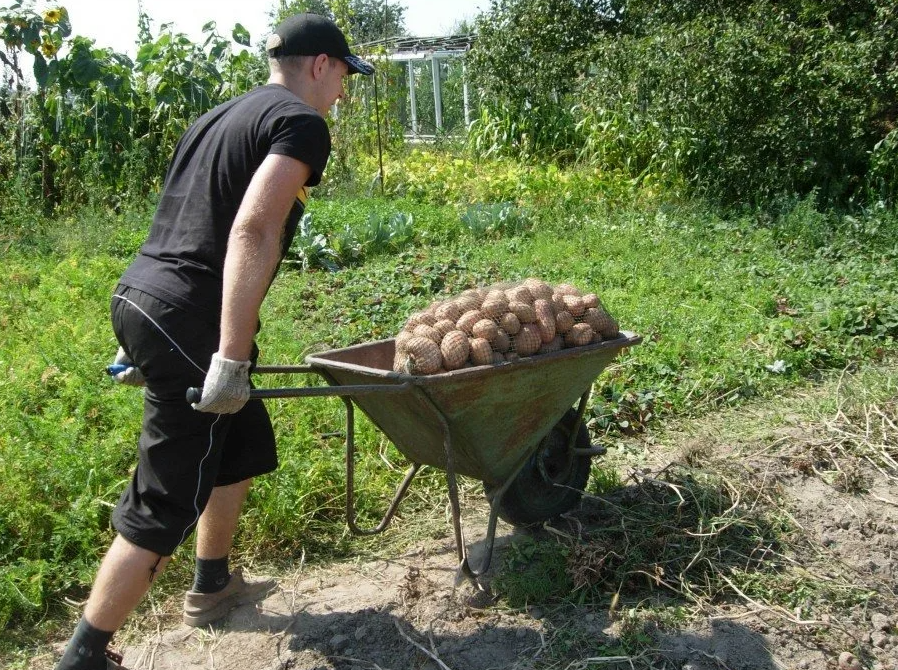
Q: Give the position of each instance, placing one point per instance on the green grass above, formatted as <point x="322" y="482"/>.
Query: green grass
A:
<point x="729" y="308"/>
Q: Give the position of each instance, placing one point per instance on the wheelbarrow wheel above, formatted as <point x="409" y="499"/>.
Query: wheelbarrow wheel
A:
<point x="551" y="481"/>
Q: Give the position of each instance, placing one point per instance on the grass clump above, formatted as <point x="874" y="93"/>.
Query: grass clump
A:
<point x="677" y="530"/>
<point x="534" y="572"/>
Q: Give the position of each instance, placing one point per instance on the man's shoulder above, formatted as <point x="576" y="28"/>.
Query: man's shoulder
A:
<point x="277" y="98"/>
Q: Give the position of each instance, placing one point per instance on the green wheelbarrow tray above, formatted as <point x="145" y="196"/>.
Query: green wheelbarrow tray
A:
<point x="483" y="422"/>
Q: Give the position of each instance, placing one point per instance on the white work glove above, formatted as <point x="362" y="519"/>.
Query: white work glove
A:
<point x="226" y="388"/>
<point x="132" y="376"/>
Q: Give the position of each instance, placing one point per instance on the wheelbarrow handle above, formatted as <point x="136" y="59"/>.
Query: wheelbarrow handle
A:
<point x="116" y="368"/>
<point x="195" y="394"/>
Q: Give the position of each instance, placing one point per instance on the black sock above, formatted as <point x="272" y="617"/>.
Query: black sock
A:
<point x="212" y="575"/>
<point x="85" y="649"/>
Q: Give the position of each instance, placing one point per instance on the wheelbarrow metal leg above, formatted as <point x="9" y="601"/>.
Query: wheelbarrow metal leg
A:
<point x="464" y="565"/>
<point x="495" y="501"/>
<point x="591" y="451"/>
<point x="350" y="480"/>
<point x="581" y="410"/>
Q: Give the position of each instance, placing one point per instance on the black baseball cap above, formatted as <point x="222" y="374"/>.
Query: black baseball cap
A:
<point x="312" y="35"/>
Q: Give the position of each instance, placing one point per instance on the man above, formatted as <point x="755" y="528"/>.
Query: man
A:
<point x="185" y="314"/>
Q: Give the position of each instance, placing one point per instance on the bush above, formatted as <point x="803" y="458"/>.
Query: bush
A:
<point x="751" y="103"/>
<point x="743" y="102"/>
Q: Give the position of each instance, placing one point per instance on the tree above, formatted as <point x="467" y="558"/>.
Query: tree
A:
<point x="362" y="20"/>
<point x="532" y="52"/>
<point x="376" y="19"/>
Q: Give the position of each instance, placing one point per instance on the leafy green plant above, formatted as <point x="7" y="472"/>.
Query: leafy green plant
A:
<point x="310" y="248"/>
<point x="495" y="219"/>
<point x="883" y="178"/>
<point x="100" y="127"/>
<point x="386" y="233"/>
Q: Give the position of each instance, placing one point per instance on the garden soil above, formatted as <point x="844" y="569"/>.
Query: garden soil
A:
<point x="410" y="612"/>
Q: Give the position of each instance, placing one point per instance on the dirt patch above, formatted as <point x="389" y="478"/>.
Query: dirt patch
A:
<point x="401" y="613"/>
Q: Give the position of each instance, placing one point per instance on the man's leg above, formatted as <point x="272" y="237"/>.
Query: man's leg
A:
<point x="215" y="589"/>
<point x="218" y="522"/>
<point x="124" y="578"/>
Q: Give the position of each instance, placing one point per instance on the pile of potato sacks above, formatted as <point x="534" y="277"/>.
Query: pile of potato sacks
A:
<point x="499" y="324"/>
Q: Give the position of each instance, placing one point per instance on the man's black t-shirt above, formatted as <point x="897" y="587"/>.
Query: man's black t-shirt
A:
<point x="182" y="260"/>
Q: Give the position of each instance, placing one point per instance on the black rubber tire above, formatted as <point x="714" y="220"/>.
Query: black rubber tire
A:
<point x="533" y="496"/>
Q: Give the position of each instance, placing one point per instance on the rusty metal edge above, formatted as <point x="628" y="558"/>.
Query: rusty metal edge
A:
<point x="626" y="339"/>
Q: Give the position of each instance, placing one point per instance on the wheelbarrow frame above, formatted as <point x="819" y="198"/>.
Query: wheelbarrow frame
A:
<point x="424" y="392"/>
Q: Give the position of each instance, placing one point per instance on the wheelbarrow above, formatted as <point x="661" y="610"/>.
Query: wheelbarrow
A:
<point x="511" y="426"/>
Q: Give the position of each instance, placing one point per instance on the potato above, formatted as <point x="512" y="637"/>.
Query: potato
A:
<point x="473" y="294"/>
<point x="522" y="310"/>
<point x="420" y="356"/>
<point x="443" y="327"/>
<point x="611" y="329"/>
<point x="528" y="341"/>
<point x="558" y="303"/>
<point x="539" y="289"/>
<point x="567" y="289"/>
<point x="485" y="328"/>
<point x="556" y="344"/>
<point x="563" y="322"/>
<point x="448" y="311"/>
<point x="422" y="317"/>
<point x="429" y="332"/>
<point x="519" y="294"/>
<point x="468" y="319"/>
<point x="455" y="349"/>
<point x="510" y="323"/>
<point x="578" y="336"/>
<point x="574" y="305"/>
<point x="481" y="351"/>
<point x="502" y="343"/>
<point x="505" y="322"/>
<point x="495" y="294"/>
<point x="601" y="322"/>
<point x="466" y="304"/>
<point x="494" y="307"/>
<point x="545" y="319"/>
<point x="403" y="336"/>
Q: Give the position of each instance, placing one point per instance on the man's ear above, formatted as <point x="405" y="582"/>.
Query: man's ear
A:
<point x="319" y="67"/>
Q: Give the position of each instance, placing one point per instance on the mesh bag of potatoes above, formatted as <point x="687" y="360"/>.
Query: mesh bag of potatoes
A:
<point x="498" y="324"/>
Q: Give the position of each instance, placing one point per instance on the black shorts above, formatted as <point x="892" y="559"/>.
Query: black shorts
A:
<point x="182" y="453"/>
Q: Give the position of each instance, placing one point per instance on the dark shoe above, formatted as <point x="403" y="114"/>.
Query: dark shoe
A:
<point x="201" y="609"/>
<point x="114" y="660"/>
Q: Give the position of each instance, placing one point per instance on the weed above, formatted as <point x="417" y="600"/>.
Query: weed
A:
<point x="533" y="572"/>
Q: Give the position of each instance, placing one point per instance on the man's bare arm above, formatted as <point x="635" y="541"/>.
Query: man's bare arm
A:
<point x="254" y="249"/>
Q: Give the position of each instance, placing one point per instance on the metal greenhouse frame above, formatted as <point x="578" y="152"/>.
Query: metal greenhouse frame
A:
<point x="412" y="50"/>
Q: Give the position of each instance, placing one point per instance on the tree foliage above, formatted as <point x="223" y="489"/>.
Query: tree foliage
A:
<point x="752" y="99"/>
<point x="741" y="100"/>
<point x="532" y="51"/>
<point x="362" y="20"/>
